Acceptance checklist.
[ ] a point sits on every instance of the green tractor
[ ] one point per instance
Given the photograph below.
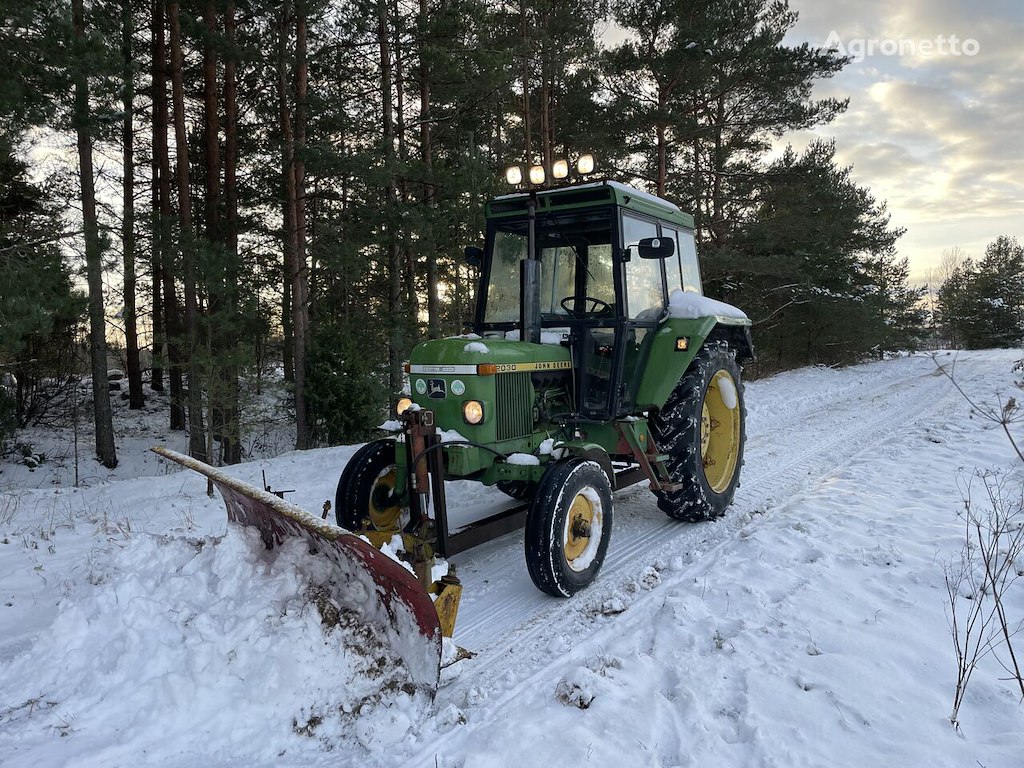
(595, 362)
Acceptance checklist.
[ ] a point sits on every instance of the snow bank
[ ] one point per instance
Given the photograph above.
(257, 657)
(805, 628)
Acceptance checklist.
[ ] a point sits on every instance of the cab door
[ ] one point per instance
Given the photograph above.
(644, 307)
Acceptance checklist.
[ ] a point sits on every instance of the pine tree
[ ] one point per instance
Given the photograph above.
(103, 414)
(815, 266)
(702, 91)
(128, 239)
(982, 303)
(39, 310)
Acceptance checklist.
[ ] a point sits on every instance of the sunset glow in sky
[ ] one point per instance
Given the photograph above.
(936, 115)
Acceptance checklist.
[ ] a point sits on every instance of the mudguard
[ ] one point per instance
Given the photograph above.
(392, 598)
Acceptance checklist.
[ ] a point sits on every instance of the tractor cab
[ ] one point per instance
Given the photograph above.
(606, 258)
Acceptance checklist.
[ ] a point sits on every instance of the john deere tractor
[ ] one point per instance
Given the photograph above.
(594, 363)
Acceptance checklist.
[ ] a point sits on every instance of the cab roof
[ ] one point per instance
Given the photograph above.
(589, 195)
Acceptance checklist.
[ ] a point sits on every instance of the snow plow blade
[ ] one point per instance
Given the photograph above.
(395, 601)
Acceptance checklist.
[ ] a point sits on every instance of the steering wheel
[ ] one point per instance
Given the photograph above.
(591, 306)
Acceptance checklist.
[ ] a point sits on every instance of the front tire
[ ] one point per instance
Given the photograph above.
(568, 527)
(702, 429)
(366, 490)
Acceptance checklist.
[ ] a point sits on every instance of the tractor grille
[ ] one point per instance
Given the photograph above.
(514, 405)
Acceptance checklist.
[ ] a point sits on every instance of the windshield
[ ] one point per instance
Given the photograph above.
(575, 253)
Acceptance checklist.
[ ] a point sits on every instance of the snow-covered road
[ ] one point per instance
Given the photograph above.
(796, 436)
(806, 628)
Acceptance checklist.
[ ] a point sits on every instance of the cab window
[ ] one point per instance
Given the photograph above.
(645, 287)
(572, 250)
(688, 258)
(503, 286)
(673, 272)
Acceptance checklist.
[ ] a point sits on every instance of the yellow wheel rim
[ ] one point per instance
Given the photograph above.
(578, 528)
(383, 517)
(720, 431)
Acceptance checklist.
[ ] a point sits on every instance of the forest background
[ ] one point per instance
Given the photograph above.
(208, 191)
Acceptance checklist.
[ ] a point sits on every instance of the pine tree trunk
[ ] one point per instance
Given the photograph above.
(105, 450)
(300, 278)
(196, 441)
(220, 384)
(231, 442)
(391, 202)
(412, 299)
(546, 129)
(717, 193)
(135, 394)
(156, 371)
(156, 381)
(161, 153)
(697, 204)
(211, 124)
(662, 150)
(289, 244)
(527, 146)
(427, 156)
(219, 351)
(288, 249)
(293, 171)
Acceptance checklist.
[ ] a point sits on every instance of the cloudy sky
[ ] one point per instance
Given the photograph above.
(936, 132)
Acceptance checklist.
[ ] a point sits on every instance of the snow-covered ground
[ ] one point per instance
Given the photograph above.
(806, 628)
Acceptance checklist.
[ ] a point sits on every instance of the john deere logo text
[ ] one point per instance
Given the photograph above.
(544, 366)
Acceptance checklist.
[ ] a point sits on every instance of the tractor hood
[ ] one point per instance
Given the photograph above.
(463, 354)
(496, 377)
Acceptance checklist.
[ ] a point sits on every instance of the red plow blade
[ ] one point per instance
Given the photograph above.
(393, 599)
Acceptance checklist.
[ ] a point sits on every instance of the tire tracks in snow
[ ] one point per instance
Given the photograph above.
(523, 636)
(501, 596)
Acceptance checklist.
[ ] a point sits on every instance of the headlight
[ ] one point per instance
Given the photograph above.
(403, 405)
(473, 411)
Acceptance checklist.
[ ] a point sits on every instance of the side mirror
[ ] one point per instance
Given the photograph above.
(474, 256)
(656, 248)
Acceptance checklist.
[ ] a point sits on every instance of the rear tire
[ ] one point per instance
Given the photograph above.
(702, 429)
(568, 527)
(366, 490)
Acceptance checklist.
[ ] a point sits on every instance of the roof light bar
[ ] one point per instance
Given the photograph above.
(539, 174)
